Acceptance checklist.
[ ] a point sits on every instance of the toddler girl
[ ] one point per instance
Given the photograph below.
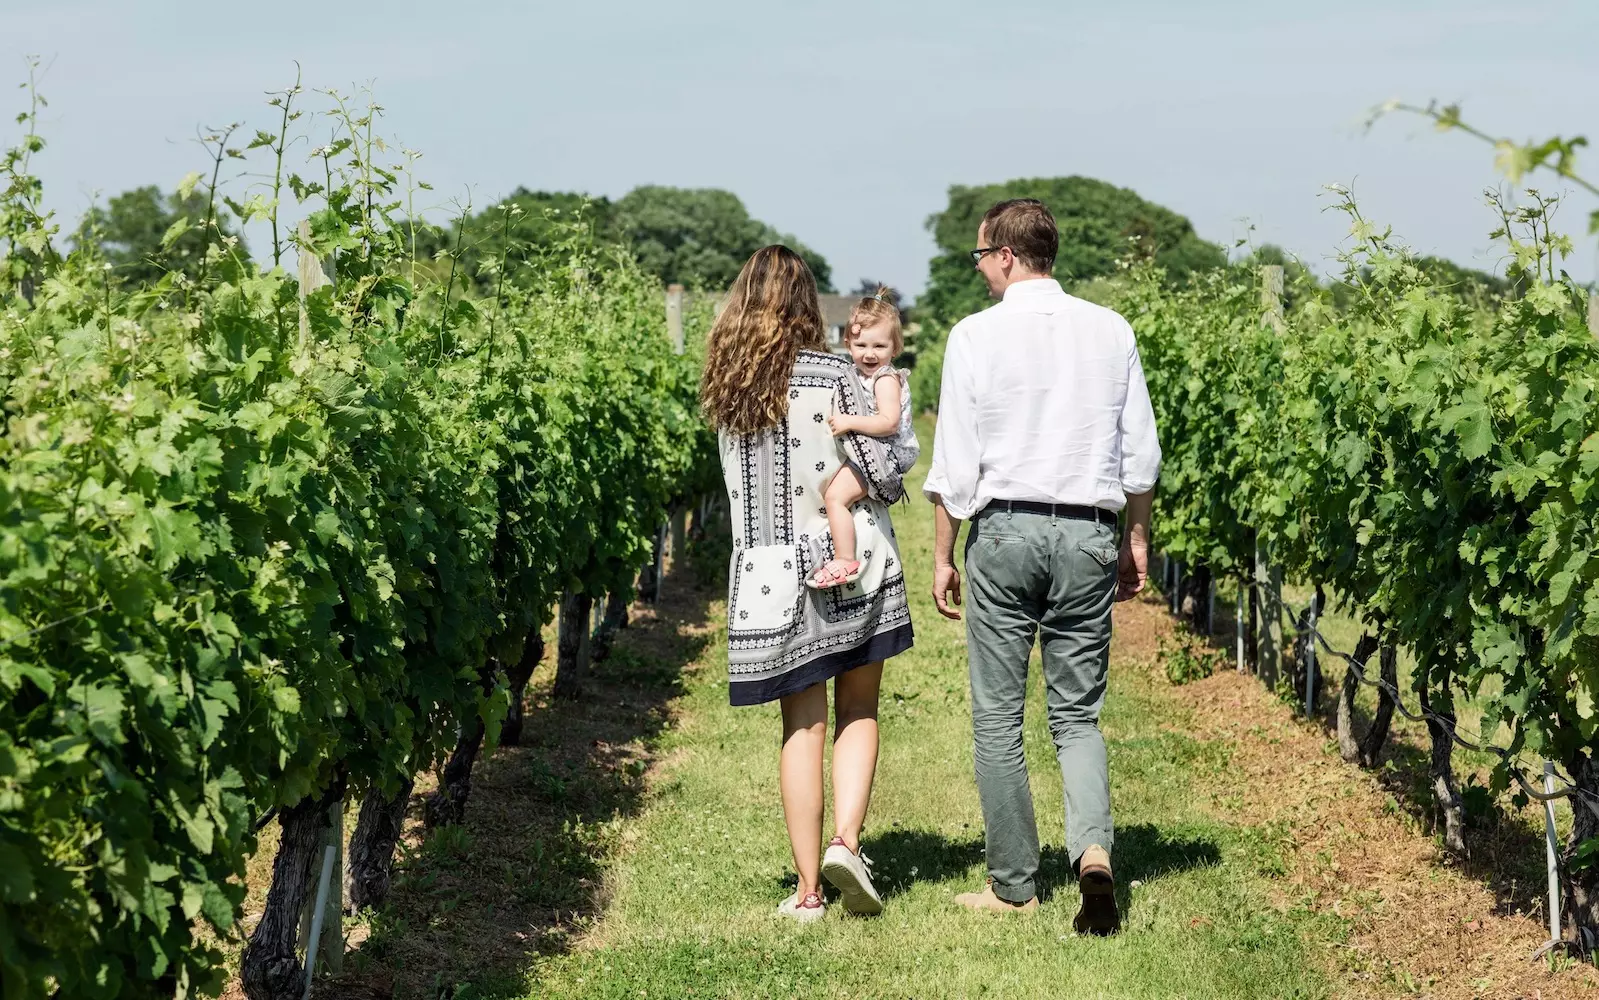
(875, 340)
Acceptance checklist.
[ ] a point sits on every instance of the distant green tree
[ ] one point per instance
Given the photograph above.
(515, 228)
(144, 234)
(1469, 283)
(1099, 225)
(700, 237)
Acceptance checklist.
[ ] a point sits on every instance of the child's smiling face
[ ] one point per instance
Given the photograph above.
(872, 347)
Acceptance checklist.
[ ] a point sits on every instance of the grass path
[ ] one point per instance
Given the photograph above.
(634, 847)
(691, 897)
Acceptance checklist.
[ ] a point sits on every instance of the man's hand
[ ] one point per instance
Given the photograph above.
(1132, 569)
(947, 591)
(841, 424)
(1132, 564)
(946, 578)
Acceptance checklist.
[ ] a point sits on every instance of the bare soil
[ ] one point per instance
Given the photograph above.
(1420, 922)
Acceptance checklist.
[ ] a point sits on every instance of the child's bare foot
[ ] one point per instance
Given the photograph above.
(834, 573)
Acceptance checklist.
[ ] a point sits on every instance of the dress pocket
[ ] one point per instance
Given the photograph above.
(766, 588)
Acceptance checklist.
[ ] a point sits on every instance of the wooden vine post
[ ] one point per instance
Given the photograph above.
(1271, 295)
(674, 328)
(572, 647)
(674, 532)
(1269, 579)
(674, 316)
(315, 274)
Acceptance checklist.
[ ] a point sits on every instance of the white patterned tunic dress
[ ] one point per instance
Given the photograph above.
(782, 636)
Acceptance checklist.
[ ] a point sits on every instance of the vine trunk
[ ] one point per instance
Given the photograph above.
(271, 967)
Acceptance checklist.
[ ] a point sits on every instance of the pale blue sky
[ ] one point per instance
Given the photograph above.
(845, 122)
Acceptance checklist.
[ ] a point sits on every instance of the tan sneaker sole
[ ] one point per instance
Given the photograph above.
(849, 876)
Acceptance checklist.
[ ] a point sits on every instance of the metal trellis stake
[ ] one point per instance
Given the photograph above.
(1552, 851)
(316, 919)
(1238, 622)
(1310, 658)
(660, 561)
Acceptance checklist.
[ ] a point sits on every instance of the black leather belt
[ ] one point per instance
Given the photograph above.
(1075, 511)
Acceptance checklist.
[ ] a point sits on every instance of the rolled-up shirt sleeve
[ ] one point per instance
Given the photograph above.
(957, 455)
(1140, 447)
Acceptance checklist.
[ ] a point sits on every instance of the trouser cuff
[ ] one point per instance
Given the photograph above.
(1018, 894)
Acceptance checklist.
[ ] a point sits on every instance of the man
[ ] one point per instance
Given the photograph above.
(1045, 431)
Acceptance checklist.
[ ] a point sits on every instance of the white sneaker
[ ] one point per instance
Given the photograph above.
(851, 875)
(805, 911)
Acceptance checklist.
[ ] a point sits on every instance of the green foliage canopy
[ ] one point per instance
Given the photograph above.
(1432, 463)
(244, 560)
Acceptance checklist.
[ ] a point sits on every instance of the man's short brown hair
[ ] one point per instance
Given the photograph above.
(1024, 225)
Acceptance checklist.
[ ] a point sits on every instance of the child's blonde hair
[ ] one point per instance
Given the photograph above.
(881, 306)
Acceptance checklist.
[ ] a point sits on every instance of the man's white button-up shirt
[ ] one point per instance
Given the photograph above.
(1043, 399)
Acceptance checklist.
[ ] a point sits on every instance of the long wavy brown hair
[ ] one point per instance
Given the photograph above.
(771, 315)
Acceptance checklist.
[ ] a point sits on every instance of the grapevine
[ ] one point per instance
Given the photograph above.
(1430, 463)
(245, 568)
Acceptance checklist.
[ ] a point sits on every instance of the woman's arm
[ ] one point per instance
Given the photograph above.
(883, 423)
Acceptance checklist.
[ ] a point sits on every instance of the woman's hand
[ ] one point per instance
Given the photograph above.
(841, 423)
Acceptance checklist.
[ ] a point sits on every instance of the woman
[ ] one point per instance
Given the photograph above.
(768, 389)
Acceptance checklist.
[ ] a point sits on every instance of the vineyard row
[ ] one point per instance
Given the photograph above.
(269, 544)
(1427, 463)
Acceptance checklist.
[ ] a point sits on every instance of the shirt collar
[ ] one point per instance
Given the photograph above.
(1034, 288)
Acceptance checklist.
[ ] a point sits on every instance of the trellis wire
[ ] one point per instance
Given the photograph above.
(1513, 766)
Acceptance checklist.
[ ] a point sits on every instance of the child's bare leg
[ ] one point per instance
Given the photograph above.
(843, 492)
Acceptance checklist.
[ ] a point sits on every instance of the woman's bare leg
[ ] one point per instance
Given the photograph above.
(800, 780)
(854, 749)
(843, 492)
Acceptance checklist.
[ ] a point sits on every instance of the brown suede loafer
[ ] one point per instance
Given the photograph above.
(987, 901)
(1098, 914)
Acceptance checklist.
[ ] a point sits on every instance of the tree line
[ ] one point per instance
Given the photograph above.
(696, 237)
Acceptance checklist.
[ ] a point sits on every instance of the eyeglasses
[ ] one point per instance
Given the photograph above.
(978, 254)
